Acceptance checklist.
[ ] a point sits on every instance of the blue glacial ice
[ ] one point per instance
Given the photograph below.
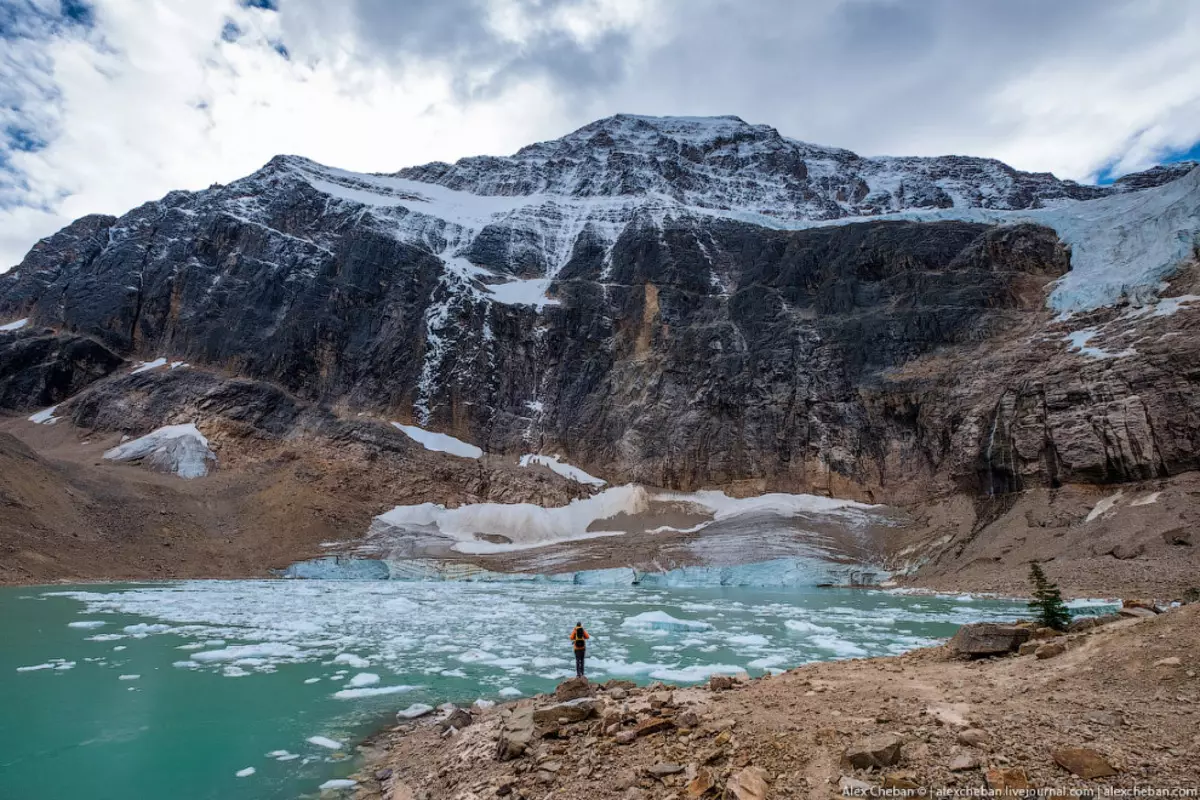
(775, 573)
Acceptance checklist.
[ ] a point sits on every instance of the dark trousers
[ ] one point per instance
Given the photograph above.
(579, 654)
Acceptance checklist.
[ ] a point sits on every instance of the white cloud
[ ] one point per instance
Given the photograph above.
(149, 97)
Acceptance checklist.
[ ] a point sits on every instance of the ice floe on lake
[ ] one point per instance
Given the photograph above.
(410, 633)
(662, 621)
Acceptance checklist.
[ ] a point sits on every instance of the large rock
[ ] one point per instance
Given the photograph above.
(988, 639)
(749, 784)
(875, 752)
(573, 689)
(1007, 781)
(1051, 649)
(565, 713)
(1084, 762)
(654, 725)
(516, 734)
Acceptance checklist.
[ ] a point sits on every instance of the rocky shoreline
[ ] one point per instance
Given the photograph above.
(1113, 703)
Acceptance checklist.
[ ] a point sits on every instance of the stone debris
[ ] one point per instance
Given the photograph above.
(1051, 649)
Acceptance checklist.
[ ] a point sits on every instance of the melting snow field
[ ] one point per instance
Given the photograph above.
(439, 442)
(482, 528)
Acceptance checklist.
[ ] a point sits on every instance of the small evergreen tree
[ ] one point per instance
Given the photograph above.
(1047, 600)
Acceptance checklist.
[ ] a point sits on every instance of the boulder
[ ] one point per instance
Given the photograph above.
(973, 737)
(573, 689)
(1179, 537)
(1084, 762)
(515, 735)
(899, 781)
(1003, 780)
(1126, 551)
(1137, 612)
(654, 725)
(1051, 649)
(1028, 648)
(662, 770)
(702, 784)
(625, 737)
(988, 639)
(457, 719)
(1080, 624)
(1139, 603)
(720, 683)
(565, 713)
(749, 784)
(963, 762)
(877, 751)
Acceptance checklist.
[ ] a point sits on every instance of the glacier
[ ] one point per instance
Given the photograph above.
(486, 528)
(777, 573)
(1124, 239)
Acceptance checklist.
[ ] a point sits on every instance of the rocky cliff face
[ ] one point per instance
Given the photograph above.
(681, 302)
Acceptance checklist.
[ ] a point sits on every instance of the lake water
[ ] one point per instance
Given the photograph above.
(163, 690)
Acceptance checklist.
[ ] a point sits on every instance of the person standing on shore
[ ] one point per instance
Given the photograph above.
(579, 638)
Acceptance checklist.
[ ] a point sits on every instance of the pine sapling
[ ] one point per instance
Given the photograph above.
(1047, 600)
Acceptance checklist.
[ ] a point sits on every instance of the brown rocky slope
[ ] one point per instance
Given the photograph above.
(1114, 707)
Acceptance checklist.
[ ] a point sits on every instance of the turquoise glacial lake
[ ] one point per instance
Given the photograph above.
(260, 689)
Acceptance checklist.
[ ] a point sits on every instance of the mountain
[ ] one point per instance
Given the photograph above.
(684, 302)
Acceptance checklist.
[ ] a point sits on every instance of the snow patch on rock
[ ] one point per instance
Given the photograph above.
(44, 417)
(178, 449)
(439, 442)
(562, 468)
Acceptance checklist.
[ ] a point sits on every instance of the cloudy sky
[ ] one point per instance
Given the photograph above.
(107, 103)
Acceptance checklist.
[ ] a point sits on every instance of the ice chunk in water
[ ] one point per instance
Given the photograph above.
(415, 710)
(696, 673)
(662, 621)
(245, 773)
(87, 624)
(351, 694)
(321, 741)
(363, 679)
(338, 783)
(350, 659)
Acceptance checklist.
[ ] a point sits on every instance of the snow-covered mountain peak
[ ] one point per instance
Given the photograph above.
(506, 226)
